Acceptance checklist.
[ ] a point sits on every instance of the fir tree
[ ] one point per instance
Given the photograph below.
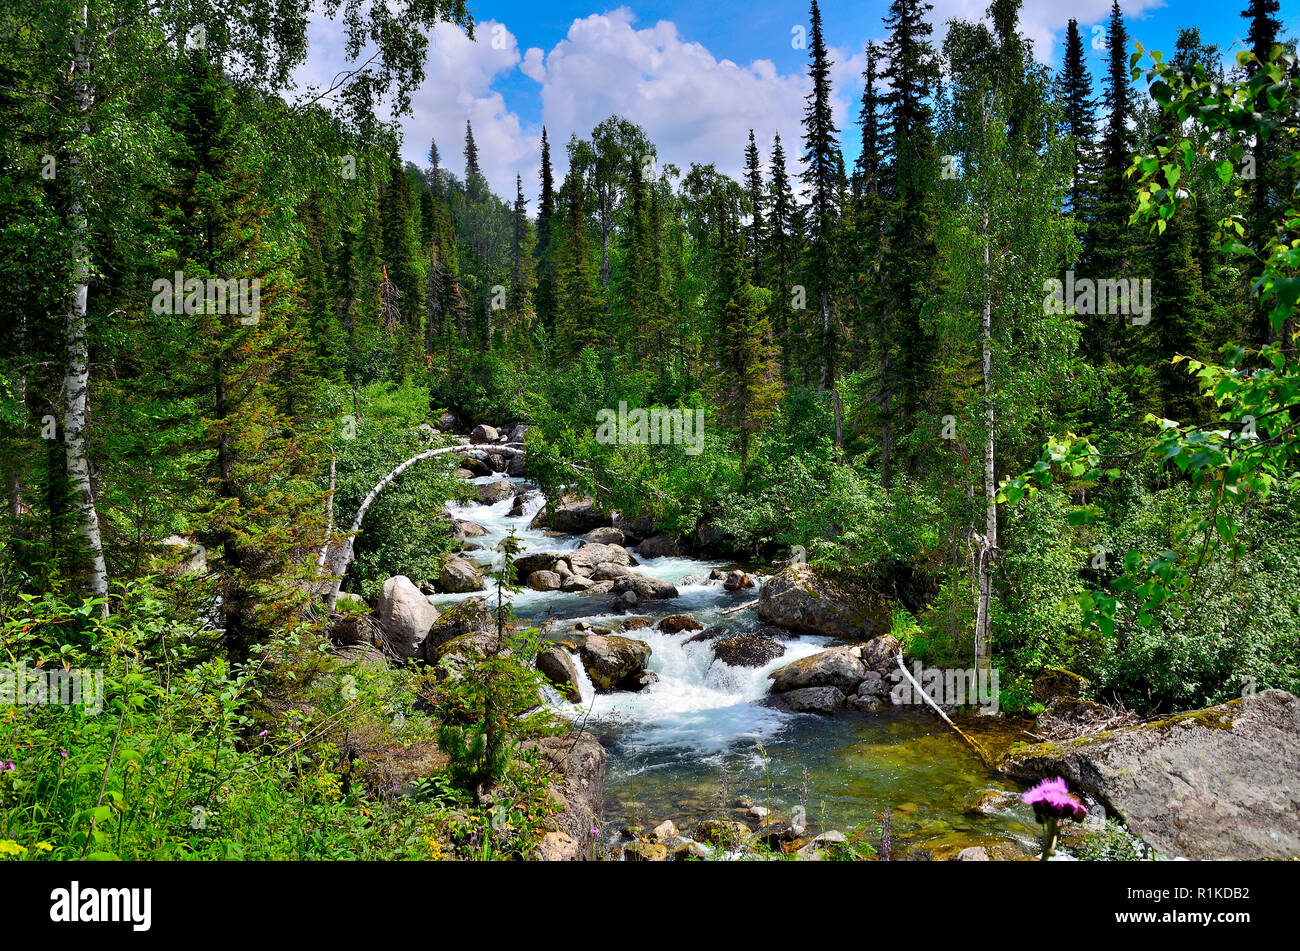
(823, 173)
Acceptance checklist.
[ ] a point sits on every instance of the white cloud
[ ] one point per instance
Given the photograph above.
(694, 106)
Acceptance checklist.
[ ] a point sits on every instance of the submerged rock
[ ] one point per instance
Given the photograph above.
(1219, 783)
(748, 650)
(814, 699)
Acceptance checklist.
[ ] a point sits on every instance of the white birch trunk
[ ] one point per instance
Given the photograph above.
(76, 377)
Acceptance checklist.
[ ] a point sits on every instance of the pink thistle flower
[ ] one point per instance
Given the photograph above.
(1052, 799)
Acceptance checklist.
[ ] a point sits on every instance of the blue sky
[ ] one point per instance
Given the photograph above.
(696, 75)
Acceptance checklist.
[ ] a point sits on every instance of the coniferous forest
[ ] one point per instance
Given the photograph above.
(879, 508)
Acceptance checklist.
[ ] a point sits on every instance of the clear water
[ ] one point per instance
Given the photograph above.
(700, 735)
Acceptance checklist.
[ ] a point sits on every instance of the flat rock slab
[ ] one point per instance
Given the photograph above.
(1219, 783)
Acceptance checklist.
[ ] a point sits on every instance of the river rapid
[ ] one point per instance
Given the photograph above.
(701, 735)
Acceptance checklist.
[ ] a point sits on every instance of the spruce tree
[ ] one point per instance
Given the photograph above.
(754, 191)
(1078, 117)
(906, 352)
(823, 172)
(545, 295)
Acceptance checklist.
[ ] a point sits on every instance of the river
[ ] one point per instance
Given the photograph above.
(700, 734)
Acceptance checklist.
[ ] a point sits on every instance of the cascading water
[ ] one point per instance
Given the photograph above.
(701, 731)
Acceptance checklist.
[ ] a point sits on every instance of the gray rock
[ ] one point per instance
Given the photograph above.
(586, 558)
(973, 853)
(605, 535)
(837, 667)
(577, 516)
(575, 583)
(494, 492)
(459, 575)
(609, 572)
(462, 529)
(814, 699)
(483, 434)
(518, 465)
(576, 766)
(544, 581)
(469, 617)
(613, 661)
(558, 666)
(405, 615)
(1219, 783)
(658, 547)
(881, 655)
(525, 565)
(798, 599)
(644, 587)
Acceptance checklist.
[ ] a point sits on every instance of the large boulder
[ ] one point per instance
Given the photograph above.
(517, 434)
(798, 599)
(525, 565)
(839, 667)
(659, 546)
(557, 665)
(613, 661)
(483, 434)
(644, 588)
(585, 559)
(1219, 783)
(518, 465)
(748, 650)
(459, 575)
(471, 616)
(494, 492)
(577, 516)
(405, 616)
(576, 767)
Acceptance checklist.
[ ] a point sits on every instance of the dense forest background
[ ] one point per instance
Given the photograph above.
(871, 345)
